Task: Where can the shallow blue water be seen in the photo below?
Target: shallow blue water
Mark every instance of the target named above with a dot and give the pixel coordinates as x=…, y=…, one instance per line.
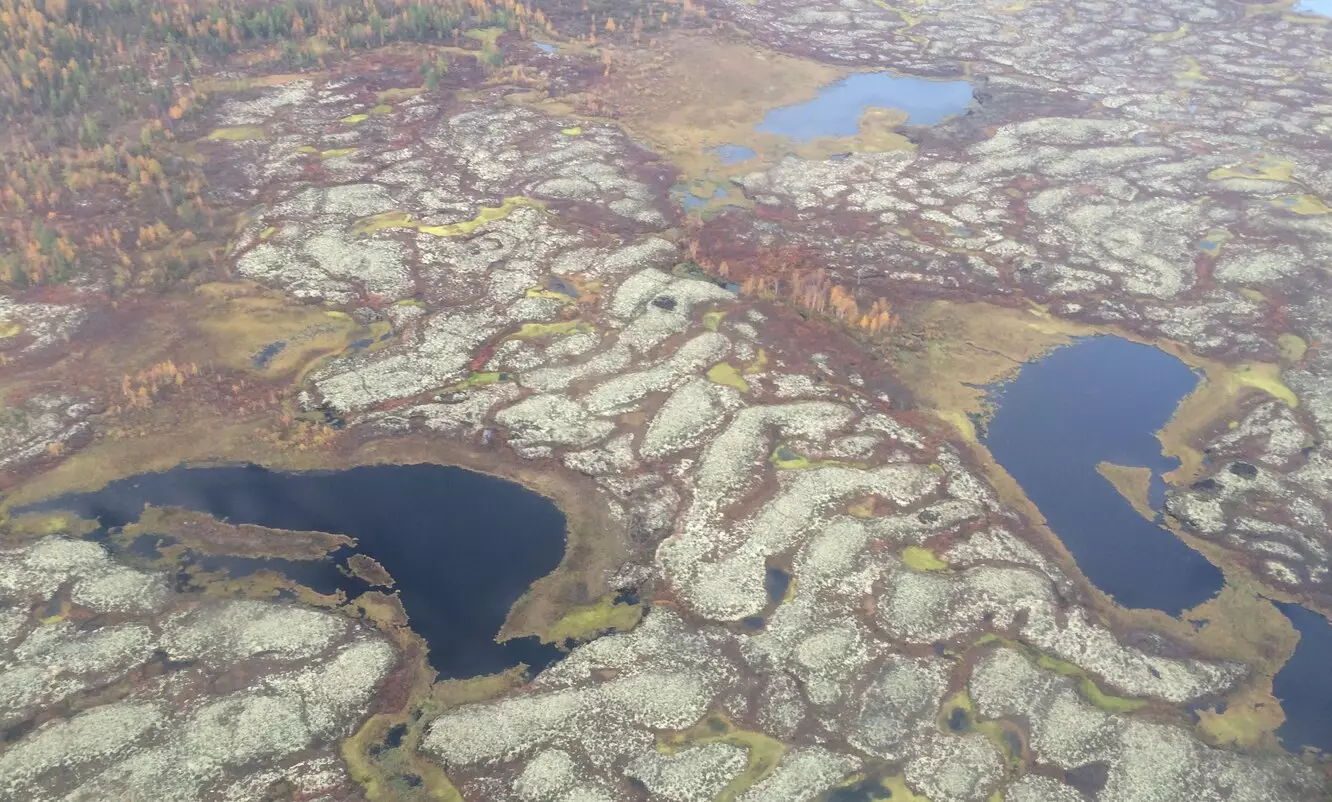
x=734, y=154
x=1320, y=7
x=1304, y=683
x=691, y=201
x=546, y=47
x=838, y=108
x=1102, y=399
x=461, y=546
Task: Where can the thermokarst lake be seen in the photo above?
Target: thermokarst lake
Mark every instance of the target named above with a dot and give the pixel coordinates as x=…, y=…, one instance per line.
x=1304, y=683
x=1323, y=8
x=420, y=522
x=1098, y=403
x=837, y=109
x=1102, y=400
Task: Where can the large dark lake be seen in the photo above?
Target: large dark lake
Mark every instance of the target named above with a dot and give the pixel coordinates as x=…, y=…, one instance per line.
x=462, y=546
x=1102, y=399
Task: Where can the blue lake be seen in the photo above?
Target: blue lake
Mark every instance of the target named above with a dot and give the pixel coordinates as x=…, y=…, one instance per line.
x=837, y=109
x=546, y=47
x=1304, y=683
x=1102, y=399
x=734, y=154
x=1320, y=7
x=691, y=201
x=461, y=546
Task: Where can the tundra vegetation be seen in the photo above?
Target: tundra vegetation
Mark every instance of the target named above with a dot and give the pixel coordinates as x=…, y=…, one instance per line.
x=317, y=234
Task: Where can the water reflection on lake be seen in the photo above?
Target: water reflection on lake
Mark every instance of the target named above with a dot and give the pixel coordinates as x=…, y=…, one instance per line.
x=837, y=110
x=1102, y=399
x=461, y=546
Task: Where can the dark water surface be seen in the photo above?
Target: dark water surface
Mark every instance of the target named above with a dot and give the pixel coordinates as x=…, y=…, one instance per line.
x=1102, y=399
x=837, y=110
x=1304, y=683
x=462, y=546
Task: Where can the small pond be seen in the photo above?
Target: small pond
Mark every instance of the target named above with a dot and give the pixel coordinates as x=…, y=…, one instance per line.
x=734, y=154
x=837, y=110
x=1323, y=8
x=1304, y=683
x=461, y=546
x=1102, y=399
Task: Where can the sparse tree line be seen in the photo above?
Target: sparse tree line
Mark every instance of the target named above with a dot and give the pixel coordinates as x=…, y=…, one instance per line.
x=93, y=92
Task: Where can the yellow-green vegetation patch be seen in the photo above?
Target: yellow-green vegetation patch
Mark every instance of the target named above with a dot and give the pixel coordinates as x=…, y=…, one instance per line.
x=486, y=36
x=372, y=766
x=239, y=133
x=400, y=219
x=381, y=109
x=873, y=788
x=48, y=523
x=863, y=508
x=958, y=714
x=1302, y=204
x=1215, y=399
x=919, y=558
x=549, y=294
x=354, y=119
x=573, y=130
x=759, y=364
x=1086, y=685
x=585, y=623
x=712, y=319
x=1133, y=483
x=1267, y=378
x=250, y=329
x=333, y=153
x=487, y=214
x=307, y=149
x=861, y=787
x=476, y=379
x=785, y=458
x=382, y=221
x=1170, y=36
x=1247, y=721
x=1215, y=240
x=1191, y=70
x=401, y=93
x=764, y=752
x=10, y=328
x=1292, y=347
x=532, y=331
x=726, y=373
x=1266, y=168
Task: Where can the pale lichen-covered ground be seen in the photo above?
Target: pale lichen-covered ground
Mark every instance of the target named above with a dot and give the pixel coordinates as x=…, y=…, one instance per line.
x=1155, y=170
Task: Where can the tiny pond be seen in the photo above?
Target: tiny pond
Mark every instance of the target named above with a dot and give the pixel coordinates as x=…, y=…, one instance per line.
x=461, y=546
